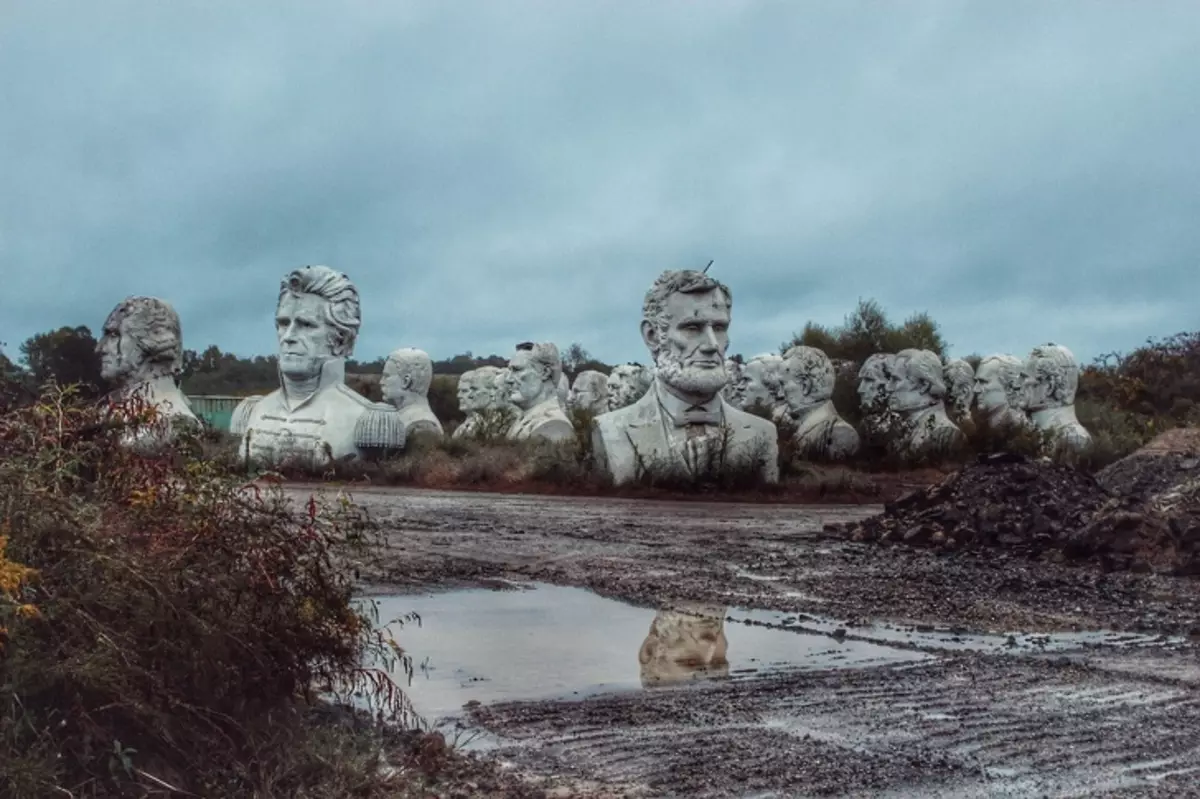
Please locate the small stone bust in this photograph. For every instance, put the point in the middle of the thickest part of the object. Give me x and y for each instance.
(1000, 391)
(917, 393)
(627, 384)
(532, 381)
(873, 378)
(141, 354)
(1052, 378)
(960, 387)
(808, 383)
(476, 394)
(761, 385)
(407, 376)
(684, 644)
(590, 392)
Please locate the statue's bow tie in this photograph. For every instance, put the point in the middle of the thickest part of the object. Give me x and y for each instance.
(697, 415)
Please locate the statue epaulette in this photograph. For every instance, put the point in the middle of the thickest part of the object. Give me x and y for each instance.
(379, 427)
(241, 415)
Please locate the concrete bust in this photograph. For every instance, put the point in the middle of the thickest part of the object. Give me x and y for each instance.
(407, 376)
(627, 384)
(761, 385)
(684, 644)
(1000, 391)
(683, 427)
(590, 392)
(313, 417)
(532, 382)
(141, 355)
(960, 387)
(1052, 378)
(808, 382)
(917, 393)
(477, 396)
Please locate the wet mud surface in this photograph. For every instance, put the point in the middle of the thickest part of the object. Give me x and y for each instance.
(993, 699)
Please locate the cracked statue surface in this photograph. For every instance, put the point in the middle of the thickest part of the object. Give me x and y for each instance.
(1051, 380)
(141, 356)
(533, 381)
(916, 392)
(684, 426)
(314, 417)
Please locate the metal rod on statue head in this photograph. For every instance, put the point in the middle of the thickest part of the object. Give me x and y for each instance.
(705, 272)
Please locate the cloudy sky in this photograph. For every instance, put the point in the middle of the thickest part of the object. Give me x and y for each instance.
(497, 170)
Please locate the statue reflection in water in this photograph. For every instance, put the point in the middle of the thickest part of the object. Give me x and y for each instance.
(684, 644)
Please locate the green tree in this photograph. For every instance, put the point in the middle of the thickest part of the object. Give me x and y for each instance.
(67, 356)
(868, 330)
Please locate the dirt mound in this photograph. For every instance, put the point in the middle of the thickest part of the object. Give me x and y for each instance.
(1170, 460)
(1159, 533)
(1002, 500)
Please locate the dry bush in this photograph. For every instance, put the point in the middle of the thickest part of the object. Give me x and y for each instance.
(175, 622)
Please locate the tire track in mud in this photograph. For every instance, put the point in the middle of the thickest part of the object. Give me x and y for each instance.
(961, 727)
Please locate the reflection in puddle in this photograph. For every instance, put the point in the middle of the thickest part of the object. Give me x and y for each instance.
(553, 642)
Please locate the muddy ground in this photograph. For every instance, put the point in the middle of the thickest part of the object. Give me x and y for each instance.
(1082, 722)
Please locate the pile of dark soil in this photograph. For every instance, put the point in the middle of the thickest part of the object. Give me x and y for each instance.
(1153, 521)
(1002, 500)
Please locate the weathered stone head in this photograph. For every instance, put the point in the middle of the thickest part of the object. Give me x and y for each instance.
(685, 644)
(761, 384)
(533, 374)
(873, 378)
(407, 375)
(685, 325)
(317, 319)
(960, 385)
(627, 384)
(141, 341)
(917, 381)
(494, 382)
(808, 378)
(1000, 385)
(590, 392)
(1052, 377)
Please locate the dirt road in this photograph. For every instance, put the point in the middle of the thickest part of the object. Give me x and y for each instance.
(1076, 720)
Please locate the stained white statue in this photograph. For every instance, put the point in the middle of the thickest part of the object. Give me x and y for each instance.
(1052, 377)
(627, 384)
(808, 382)
(683, 426)
(476, 394)
(407, 376)
(590, 392)
(684, 644)
(960, 387)
(917, 393)
(564, 389)
(141, 355)
(1000, 391)
(733, 389)
(873, 378)
(532, 380)
(762, 384)
(313, 417)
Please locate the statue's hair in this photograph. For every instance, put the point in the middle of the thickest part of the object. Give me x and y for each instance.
(923, 365)
(636, 371)
(545, 355)
(154, 326)
(1011, 370)
(812, 367)
(879, 361)
(1059, 362)
(960, 380)
(597, 379)
(678, 281)
(417, 365)
(342, 311)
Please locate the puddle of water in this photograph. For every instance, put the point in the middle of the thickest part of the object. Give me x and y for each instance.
(553, 642)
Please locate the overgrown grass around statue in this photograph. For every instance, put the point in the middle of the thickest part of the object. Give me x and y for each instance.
(164, 624)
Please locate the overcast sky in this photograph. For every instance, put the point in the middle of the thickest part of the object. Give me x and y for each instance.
(500, 170)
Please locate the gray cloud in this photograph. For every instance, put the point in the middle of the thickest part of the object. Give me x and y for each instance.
(492, 172)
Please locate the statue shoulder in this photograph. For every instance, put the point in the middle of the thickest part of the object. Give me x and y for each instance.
(736, 416)
(358, 399)
(240, 421)
(379, 427)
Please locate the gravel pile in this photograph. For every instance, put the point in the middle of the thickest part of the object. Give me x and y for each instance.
(1002, 500)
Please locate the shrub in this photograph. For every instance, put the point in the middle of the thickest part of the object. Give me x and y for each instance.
(167, 623)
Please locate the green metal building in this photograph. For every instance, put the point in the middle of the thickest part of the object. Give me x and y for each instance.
(213, 409)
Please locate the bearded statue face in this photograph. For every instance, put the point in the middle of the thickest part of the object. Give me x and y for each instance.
(689, 342)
